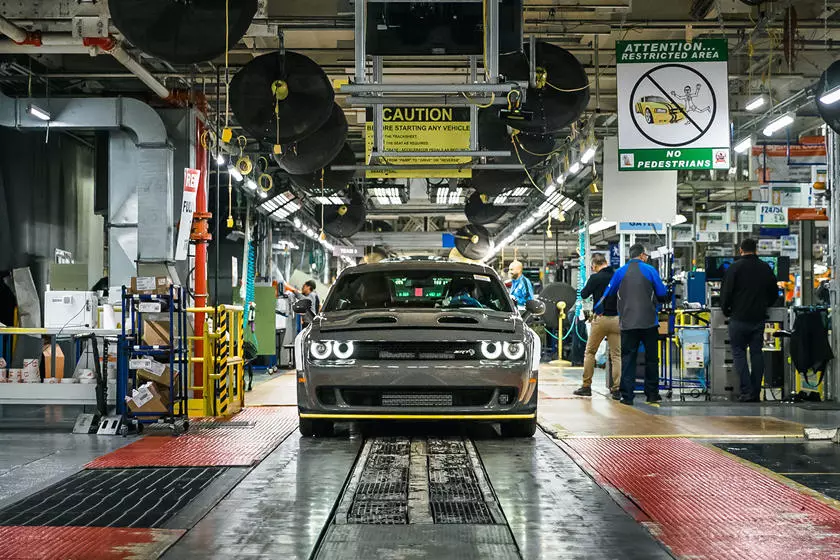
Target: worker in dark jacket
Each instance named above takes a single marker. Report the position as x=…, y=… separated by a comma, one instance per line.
x=604, y=325
x=749, y=288
x=639, y=289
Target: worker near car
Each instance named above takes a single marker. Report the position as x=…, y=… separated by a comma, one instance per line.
x=521, y=289
x=307, y=291
x=604, y=326
x=749, y=288
x=639, y=289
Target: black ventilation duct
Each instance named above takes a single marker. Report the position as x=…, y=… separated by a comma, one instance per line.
x=334, y=181
x=317, y=150
x=473, y=241
x=559, y=102
x=305, y=108
x=829, y=80
x=179, y=31
x=345, y=220
x=481, y=213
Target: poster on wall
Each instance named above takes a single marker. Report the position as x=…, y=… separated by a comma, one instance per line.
x=769, y=246
x=799, y=195
x=711, y=222
x=790, y=246
x=192, y=179
x=682, y=234
x=783, y=163
x=421, y=129
x=772, y=215
x=673, y=105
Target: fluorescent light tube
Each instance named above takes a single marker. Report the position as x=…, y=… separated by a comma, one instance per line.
x=38, y=113
x=743, y=145
x=756, y=104
x=778, y=124
x=831, y=97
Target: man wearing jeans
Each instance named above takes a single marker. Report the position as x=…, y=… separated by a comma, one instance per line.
x=749, y=288
x=639, y=288
x=604, y=325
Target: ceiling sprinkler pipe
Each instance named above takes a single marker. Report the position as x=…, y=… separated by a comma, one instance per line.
x=15, y=33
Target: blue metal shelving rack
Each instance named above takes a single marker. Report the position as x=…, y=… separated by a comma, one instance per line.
x=132, y=346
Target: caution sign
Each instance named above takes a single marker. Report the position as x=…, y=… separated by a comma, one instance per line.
x=673, y=105
x=422, y=129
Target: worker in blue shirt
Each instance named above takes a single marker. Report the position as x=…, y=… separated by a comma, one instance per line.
x=639, y=289
x=521, y=289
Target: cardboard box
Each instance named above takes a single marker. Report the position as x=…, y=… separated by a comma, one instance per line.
x=149, y=285
x=148, y=398
x=156, y=333
x=59, y=362
x=156, y=372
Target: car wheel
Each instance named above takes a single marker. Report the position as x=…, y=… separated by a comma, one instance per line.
x=648, y=116
x=519, y=428
x=315, y=428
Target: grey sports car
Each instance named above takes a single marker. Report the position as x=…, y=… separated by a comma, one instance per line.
x=418, y=340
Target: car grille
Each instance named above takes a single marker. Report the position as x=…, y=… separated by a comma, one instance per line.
x=416, y=396
x=443, y=350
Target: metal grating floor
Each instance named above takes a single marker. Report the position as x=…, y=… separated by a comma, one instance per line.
x=137, y=498
x=232, y=443
x=454, y=493
x=381, y=496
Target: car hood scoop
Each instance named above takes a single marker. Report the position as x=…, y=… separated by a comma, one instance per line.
x=493, y=321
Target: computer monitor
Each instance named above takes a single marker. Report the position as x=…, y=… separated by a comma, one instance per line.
x=716, y=267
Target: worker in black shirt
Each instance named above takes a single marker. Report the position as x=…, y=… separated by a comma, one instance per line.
x=603, y=326
x=749, y=288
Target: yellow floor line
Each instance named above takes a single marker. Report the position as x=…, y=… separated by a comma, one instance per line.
x=779, y=478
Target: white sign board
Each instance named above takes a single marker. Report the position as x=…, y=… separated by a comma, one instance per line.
x=673, y=105
x=708, y=237
x=711, y=222
x=683, y=233
x=771, y=215
x=192, y=181
x=641, y=197
x=790, y=246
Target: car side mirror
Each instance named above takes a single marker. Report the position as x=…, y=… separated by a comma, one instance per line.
x=535, y=308
x=302, y=306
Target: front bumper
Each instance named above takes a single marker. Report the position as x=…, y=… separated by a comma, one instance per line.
x=400, y=390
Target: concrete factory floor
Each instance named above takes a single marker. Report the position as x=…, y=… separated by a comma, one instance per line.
x=599, y=480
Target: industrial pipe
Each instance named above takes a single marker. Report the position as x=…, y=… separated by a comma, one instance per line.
x=15, y=33
x=35, y=42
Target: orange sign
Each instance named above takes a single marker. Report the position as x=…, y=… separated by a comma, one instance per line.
x=807, y=214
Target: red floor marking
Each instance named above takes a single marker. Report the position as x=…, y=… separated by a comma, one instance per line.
x=233, y=446
x=708, y=506
x=84, y=543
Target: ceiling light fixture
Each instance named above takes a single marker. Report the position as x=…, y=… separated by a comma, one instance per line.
x=831, y=97
x=756, y=104
x=589, y=154
x=576, y=166
x=234, y=172
x=600, y=225
x=778, y=124
x=38, y=113
x=220, y=159
x=743, y=145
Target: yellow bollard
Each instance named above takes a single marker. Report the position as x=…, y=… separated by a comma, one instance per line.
x=561, y=315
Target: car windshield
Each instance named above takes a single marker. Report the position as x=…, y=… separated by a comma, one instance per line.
x=655, y=99
x=417, y=289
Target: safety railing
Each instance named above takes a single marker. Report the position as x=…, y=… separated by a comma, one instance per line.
x=222, y=384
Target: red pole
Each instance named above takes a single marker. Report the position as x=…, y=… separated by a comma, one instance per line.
x=201, y=236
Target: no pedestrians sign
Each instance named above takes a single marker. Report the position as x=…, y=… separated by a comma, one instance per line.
x=673, y=105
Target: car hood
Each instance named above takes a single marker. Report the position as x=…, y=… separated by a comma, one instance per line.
x=455, y=319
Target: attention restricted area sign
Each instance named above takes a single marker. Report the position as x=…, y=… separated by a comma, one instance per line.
x=418, y=129
x=673, y=105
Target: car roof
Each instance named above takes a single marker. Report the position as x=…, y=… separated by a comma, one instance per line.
x=412, y=264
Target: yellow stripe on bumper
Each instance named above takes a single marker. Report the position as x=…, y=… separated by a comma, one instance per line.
x=420, y=416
